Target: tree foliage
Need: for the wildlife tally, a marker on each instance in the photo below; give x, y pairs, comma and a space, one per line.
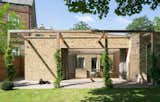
58, 59
101, 7
9, 64
8, 20
155, 71
106, 63
81, 26
156, 24
141, 23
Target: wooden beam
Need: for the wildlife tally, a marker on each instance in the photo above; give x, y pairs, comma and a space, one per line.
125, 31
99, 40
101, 44
58, 40
51, 31
52, 37
80, 31
61, 36
86, 51
106, 43
101, 37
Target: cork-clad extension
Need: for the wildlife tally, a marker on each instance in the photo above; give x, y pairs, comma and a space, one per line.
81, 53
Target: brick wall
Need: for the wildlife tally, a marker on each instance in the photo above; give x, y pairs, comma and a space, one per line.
24, 13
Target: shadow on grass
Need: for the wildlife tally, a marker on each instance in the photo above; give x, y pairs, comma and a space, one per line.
123, 95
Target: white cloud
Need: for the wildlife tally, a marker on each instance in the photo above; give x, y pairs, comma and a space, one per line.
122, 20
84, 18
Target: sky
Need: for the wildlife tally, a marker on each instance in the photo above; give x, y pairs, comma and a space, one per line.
53, 14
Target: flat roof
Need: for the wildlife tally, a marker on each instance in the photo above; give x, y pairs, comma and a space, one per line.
79, 31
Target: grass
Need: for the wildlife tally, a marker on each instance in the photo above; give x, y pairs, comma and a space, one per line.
81, 95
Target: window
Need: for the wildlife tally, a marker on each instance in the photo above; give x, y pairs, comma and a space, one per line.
80, 62
14, 19
16, 51
94, 64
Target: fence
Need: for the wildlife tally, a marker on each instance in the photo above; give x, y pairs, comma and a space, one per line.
19, 65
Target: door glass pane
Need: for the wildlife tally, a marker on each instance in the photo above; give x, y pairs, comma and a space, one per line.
94, 64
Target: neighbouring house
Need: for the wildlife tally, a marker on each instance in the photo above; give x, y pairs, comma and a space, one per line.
25, 10
81, 53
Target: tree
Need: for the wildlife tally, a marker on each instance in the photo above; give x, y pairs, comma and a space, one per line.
58, 59
141, 23
106, 63
8, 20
101, 7
156, 24
81, 26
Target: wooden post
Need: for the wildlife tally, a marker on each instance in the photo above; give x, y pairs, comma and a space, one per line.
106, 43
8, 40
58, 40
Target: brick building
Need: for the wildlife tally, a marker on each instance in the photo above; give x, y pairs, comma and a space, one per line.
25, 10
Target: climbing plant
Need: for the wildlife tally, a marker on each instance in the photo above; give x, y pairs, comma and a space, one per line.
9, 64
58, 60
106, 63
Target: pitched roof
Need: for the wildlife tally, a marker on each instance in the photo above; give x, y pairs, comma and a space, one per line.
25, 2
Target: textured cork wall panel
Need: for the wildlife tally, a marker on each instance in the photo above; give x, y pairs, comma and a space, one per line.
83, 43
118, 42
134, 57
34, 67
144, 41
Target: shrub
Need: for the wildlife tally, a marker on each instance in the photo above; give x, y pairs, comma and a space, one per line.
155, 70
106, 63
9, 64
58, 60
7, 85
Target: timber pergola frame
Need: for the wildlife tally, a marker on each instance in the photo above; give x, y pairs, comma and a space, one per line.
59, 32
58, 37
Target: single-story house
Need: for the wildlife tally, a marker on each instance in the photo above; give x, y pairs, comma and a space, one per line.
81, 52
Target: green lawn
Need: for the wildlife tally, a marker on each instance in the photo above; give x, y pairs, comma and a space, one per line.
81, 95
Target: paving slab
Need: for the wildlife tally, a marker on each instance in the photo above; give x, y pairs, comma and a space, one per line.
79, 83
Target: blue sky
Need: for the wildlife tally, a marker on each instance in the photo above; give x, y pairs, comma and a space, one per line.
54, 14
